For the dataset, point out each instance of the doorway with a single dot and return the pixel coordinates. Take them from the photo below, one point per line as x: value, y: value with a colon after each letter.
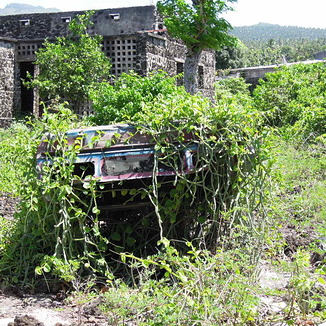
x: 27, y: 94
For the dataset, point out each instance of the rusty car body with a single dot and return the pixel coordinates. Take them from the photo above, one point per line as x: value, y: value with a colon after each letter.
x: 121, y: 158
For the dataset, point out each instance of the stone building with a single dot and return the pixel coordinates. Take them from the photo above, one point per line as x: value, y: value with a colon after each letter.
x: 7, y: 80
x: 133, y: 38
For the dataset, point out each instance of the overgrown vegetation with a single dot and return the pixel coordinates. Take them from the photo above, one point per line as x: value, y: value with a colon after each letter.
x: 71, y: 66
x: 263, y: 32
x: 272, y: 51
x: 200, y: 25
x: 218, y: 202
x: 293, y: 99
x: 268, y: 44
x: 213, y: 227
x: 126, y: 96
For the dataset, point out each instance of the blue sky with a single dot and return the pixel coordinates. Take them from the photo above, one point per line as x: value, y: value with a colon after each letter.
x: 247, y: 12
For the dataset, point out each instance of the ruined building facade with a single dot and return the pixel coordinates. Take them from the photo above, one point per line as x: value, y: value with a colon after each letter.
x: 7, y: 80
x: 133, y: 38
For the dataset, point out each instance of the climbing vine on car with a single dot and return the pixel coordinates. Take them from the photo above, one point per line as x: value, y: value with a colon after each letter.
x: 61, y: 230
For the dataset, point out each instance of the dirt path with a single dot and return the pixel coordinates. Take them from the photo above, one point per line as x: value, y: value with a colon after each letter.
x: 44, y: 310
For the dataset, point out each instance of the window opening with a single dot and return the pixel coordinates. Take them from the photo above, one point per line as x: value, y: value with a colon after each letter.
x: 179, y: 71
x: 27, y: 96
x: 115, y: 16
x: 66, y: 19
x: 200, y: 76
x: 25, y: 22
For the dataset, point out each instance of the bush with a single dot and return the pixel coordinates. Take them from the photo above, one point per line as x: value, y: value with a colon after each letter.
x: 121, y: 100
x: 50, y: 231
x: 293, y: 99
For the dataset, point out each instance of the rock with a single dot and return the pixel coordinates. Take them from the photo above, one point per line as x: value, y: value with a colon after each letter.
x: 270, y: 278
x: 91, y: 308
x: 273, y: 305
x: 25, y: 321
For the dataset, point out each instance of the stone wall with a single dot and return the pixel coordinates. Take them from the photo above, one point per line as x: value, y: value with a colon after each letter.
x: 133, y: 38
x: 8, y: 205
x: 252, y: 75
x: 162, y: 52
x: 7, y: 81
x: 119, y: 21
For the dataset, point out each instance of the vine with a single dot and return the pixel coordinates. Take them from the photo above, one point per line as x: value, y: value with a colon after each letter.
x: 63, y: 230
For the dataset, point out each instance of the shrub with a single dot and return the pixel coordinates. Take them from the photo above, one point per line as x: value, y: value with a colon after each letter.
x: 293, y: 99
x: 121, y: 99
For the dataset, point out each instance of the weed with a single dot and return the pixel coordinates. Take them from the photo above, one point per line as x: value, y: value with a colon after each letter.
x: 194, y: 289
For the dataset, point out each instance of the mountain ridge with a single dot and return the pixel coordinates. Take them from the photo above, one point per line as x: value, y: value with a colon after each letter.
x: 22, y: 8
x: 265, y: 31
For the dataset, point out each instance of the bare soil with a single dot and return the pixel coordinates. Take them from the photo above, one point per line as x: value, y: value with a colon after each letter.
x: 46, y: 310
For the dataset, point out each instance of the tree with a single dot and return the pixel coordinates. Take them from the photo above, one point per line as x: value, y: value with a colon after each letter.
x: 71, y: 66
x: 200, y: 26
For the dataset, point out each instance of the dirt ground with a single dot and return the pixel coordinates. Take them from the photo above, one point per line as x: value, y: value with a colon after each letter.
x: 46, y: 310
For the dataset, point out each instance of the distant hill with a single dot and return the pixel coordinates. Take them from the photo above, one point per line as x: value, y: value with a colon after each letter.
x: 264, y: 32
x: 20, y: 8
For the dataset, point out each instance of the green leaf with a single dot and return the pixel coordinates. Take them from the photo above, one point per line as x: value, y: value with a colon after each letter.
x: 116, y: 236
x: 129, y: 229
x: 124, y: 192
x: 46, y: 268
x: 130, y: 241
x: 95, y: 210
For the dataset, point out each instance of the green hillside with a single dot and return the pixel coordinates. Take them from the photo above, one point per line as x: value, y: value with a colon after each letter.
x: 265, y: 32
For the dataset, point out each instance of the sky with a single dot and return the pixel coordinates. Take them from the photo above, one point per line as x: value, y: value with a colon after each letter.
x: 247, y: 12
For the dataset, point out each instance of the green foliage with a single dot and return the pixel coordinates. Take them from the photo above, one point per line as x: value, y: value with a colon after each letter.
x: 230, y: 57
x: 230, y: 159
x: 121, y: 100
x: 293, y: 98
x: 296, y: 211
x: 198, y: 24
x: 215, y: 204
x: 65, y: 270
x: 17, y: 148
x: 268, y: 52
x: 297, y: 199
x: 207, y: 289
x: 71, y: 66
x: 235, y: 87
x: 230, y: 163
x: 56, y: 230
x: 220, y: 207
x: 6, y: 228
x: 302, y: 291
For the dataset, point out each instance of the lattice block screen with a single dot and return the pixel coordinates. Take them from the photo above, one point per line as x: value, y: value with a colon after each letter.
x: 122, y: 53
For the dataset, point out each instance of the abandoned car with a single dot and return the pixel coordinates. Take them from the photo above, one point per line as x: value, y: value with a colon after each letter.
x: 120, y: 158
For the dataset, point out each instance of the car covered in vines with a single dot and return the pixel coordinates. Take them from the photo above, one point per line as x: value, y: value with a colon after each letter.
x: 139, y: 186
x: 122, y: 160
